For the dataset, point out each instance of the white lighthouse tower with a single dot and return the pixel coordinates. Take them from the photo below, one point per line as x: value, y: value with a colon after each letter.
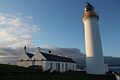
x: 94, y: 54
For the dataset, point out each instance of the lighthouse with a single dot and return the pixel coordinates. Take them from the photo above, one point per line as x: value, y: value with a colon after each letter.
x: 93, y: 46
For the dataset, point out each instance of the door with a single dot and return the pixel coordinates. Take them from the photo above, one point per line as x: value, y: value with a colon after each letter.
x: 58, y: 67
x: 66, y: 67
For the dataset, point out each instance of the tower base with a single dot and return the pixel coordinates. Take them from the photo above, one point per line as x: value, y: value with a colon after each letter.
x: 95, y: 66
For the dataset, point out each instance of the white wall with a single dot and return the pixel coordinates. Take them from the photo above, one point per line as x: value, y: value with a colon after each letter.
x: 24, y: 63
x: 94, y: 54
x: 39, y: 59
x: 41, y: 63
x: 62, y: 66
x: 24, y: 56
x: 38, y: 56
x: 24, y: 60
x: 106, y: 67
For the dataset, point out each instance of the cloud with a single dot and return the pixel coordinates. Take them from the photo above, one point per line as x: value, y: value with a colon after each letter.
x: 16, y: 30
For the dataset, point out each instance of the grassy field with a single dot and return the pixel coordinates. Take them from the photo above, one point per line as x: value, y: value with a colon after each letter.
x: 10, y: 72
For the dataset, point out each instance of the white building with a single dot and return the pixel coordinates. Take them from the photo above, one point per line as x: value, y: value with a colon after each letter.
x: 94, y: 53
x: 46, y: 61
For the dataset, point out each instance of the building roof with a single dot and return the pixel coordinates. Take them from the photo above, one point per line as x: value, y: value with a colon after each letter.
x: 51, y: 57
x: 30, y: 55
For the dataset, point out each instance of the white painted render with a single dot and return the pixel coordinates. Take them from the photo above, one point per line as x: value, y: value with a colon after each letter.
x: 94, y: 54
x: 41, y: 63
x: 24, y: 60
x: 24, y: 63
x: 62, y: 68
x: 24, y: 56
x: 38, y: 56
x: 39, y: 59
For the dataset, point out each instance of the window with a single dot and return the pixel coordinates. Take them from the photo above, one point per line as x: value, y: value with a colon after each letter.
x: 62, y: 65
x: 73, y: 67
x: 66, y: 67
x: 33, y: 62
x: 58, y: 67
x: 21, y: 59
x: 34, y: 59
x: 51, y: 65
x: 70, y: 66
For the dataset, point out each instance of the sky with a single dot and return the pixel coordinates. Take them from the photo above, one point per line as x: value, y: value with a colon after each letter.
x: 57, y: 23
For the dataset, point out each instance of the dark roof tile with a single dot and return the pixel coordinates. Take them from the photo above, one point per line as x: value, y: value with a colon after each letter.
x: 30, y: 55
x: 52, y: 57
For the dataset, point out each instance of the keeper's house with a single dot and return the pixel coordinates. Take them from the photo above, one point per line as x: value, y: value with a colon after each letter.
x: 46, y: 61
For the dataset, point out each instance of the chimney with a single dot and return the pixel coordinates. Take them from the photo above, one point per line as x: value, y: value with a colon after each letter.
x: 39, y: 49
x: 25, y: 49
x: 49, y: 51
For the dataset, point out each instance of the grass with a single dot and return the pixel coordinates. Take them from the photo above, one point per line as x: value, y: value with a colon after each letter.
x: 11, y: 72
